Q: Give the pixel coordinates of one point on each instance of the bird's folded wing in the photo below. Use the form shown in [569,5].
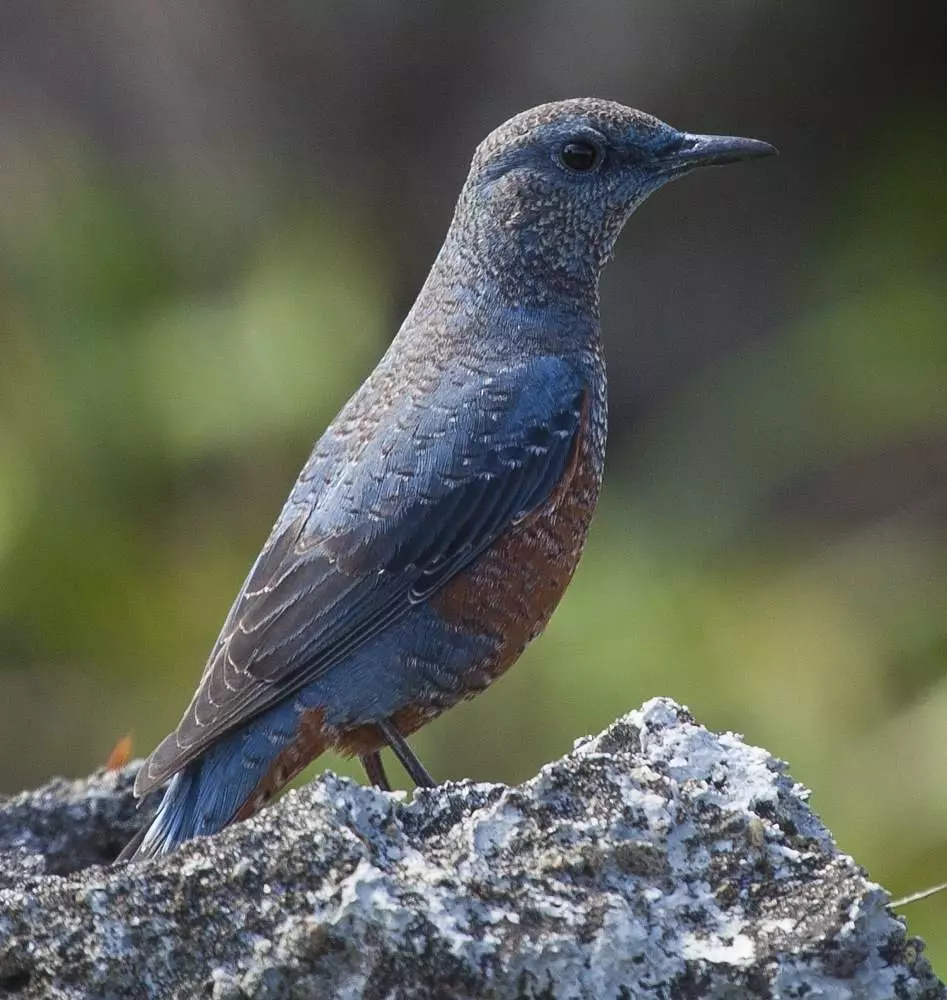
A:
[425,497]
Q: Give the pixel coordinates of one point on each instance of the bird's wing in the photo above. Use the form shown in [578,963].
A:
[423,499]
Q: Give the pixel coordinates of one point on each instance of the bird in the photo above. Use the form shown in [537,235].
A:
[441,515]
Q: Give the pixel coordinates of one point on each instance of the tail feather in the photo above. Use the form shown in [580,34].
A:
[176,820]
[130,850]
[232,779]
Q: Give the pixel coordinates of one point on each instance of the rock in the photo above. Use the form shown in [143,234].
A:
[658,859]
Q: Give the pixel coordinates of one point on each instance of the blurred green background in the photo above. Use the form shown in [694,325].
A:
[212,219]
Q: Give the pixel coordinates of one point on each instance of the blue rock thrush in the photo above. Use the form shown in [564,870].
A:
[440,517]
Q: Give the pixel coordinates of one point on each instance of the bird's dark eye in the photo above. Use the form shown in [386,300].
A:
[580,156]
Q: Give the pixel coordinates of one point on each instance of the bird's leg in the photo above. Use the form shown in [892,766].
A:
[416,770]
[375,770]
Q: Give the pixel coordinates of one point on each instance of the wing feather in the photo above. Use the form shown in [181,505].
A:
[423,500]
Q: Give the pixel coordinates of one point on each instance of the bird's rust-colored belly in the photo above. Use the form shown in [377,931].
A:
[510,593]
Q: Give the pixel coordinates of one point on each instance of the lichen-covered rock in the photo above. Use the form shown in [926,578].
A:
[656,860]
[67,825]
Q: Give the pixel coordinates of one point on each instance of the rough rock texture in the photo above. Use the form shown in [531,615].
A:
[656,860]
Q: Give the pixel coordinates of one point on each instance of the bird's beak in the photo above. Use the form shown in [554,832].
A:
[693,151]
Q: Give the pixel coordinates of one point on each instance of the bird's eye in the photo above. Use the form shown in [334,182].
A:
[580,156]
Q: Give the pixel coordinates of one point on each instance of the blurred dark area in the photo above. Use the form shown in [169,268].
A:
[213,218]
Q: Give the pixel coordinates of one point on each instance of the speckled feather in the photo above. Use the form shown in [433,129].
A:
[440,517]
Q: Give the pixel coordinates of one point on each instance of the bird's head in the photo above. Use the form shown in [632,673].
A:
[550,189]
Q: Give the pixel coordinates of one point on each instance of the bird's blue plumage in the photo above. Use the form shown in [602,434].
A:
[439,519]
[408,515]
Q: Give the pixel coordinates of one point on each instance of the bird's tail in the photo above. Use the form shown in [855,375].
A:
[177,819]
[232,779]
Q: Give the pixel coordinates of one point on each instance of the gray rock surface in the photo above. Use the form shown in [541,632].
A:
[656,860]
